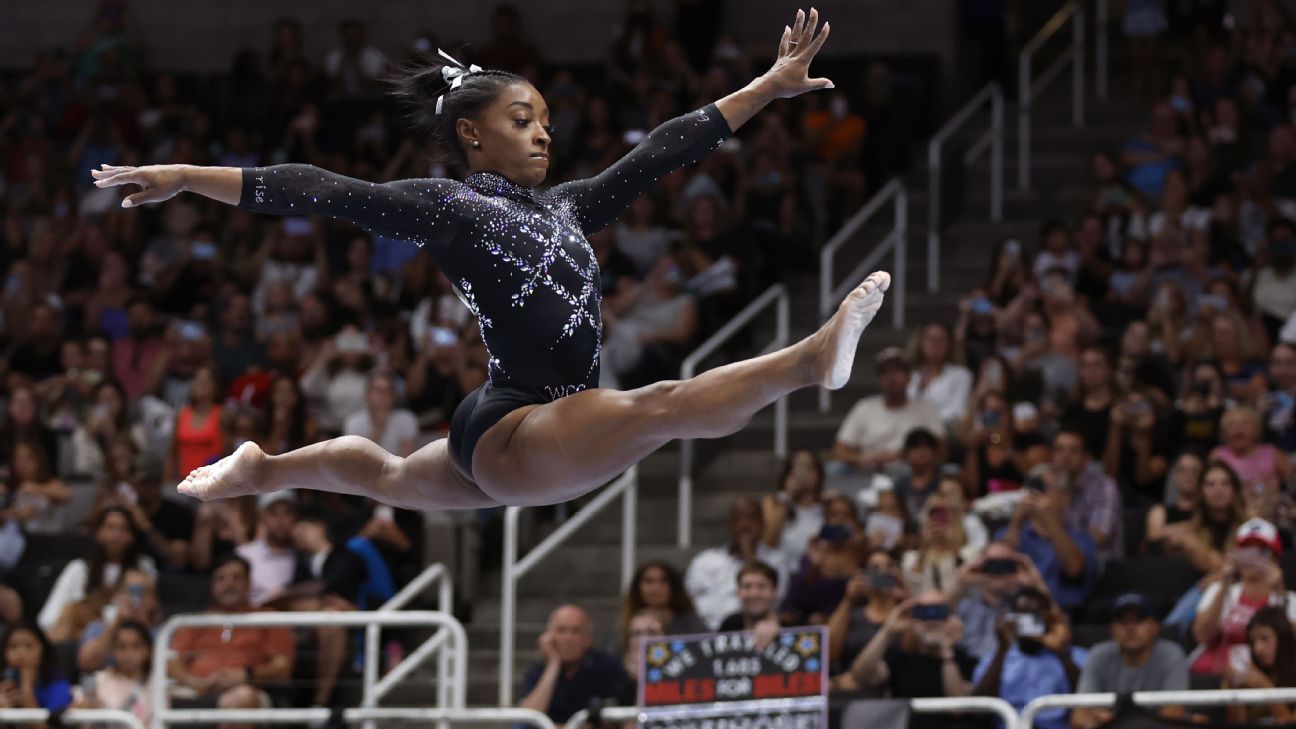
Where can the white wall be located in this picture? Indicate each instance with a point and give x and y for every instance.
(202, 35)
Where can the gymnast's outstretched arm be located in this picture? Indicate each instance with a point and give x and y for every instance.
(417, 210)
(685, 139)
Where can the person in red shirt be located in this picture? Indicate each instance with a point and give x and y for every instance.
(227, 667)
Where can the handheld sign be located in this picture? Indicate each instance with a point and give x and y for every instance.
(721, 680)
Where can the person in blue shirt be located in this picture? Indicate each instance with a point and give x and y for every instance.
(1066, 558)
(1033, 658)
(29, 679)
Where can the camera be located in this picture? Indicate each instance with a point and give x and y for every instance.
(999, 567)
(1029, 625)
(939, 611)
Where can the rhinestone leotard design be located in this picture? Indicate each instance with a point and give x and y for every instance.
(518, 257)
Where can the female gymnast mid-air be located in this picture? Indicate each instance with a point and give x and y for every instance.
(540, 431)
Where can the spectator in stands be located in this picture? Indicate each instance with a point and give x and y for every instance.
(1262, 468)
(871, 595)
(991, 462)
(86, 584)
(199, 434)
(1135, 659)
(1251, 579)
(229, 667)
(976, 333)
(38, 498)
(109, 419)
(139, 357)
(872, 435)
(1092, 501)
(272, 556)
(125, 684)
(22, 424)
(1151, 156)
(1268, 662)
(354, 66)
(1065, 556)
(646, 623)
(983, 591)
(135, 600)
(32, 680)
(940, 551)
(571, 673)
(712, 576)
(758, 594)
(939, 380)
(658, 586)
(338, 377)
(36, 355)
(1092, 410)
(1279, 404)
(649, 325)
(325, 577)
(1194, 423)
(1038, 357)
(976, 536)
(916, 475)
(816, 589)
(291, 424)
(1057, 251)
(794, 514)
(1272, 286)
(1204, 534)
(167, 525)
(1181, 497)
(916, 654)
(219, 528)
(395, 429)
(235, 348)
(1033, 657)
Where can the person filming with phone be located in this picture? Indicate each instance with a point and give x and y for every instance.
(984, 591)
(870, 597)
(916, 655)
(1033, 657)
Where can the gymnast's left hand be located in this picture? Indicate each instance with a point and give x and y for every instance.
(790, 74)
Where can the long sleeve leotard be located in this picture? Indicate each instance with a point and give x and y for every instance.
(518, 257)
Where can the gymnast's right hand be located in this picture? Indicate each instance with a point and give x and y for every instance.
(160, 182)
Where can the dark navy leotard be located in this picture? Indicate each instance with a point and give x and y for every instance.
(518, 257)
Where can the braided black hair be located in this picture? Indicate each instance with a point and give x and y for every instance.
(418, 83)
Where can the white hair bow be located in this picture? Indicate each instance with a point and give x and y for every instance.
(453, 74)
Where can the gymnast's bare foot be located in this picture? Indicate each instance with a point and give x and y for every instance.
(233, 475)
(835, 343)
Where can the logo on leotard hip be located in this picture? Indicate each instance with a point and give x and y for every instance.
(560, 391)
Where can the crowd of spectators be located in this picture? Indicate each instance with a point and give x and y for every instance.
(140, 344)
(1084, 484)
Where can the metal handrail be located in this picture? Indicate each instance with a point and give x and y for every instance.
(1155, 698)
(437, 574)
(72, 716)
(319, 715)
(421, 618)
(969, 704)
(777, 295)
(1027, 89)
(627, 485)
(895, 241)
(993, 138)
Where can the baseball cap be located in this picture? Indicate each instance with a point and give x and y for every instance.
(1259, 533)
(1132, 602)
(265, 501)
(891, 357)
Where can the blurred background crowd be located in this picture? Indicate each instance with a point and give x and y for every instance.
(1083, 483)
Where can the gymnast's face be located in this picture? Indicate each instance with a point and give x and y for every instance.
(510, 136)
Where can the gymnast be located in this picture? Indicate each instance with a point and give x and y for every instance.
(540, 430)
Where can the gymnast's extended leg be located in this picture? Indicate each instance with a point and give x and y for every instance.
(543, 454)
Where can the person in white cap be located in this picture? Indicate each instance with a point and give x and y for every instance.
(1251, 580)
(873, 433)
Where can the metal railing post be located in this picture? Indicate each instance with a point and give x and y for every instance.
(933, 213)
(629, 521)
(781, 407)
(1023, 122)
(1078, 68)
(445, 603)
(900, 284)
(996, 154)
(1100, 49)
(777, 295)
(508, 605)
